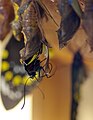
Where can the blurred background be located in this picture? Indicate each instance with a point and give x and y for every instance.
(57, 90)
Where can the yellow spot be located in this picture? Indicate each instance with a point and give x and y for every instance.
(25, 39)
(14, 33)
(45, 51)
(5, 54)
(5, 66)
(26, 80)
(16, 7)
(33, 58)
(21, 61)
(51, 53)
(8, 76)
(17, 80)
(37, 75)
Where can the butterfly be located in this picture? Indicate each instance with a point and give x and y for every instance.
(20, 79)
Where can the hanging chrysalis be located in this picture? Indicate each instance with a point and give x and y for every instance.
(70, 20)
(78, 77)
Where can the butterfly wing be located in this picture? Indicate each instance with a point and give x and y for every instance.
(14, 76)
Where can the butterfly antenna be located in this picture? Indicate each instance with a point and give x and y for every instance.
(40, 89)
(25, 92)
(43, 95)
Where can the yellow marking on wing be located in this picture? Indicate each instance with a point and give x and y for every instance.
(17, 80)
(16, 7)
(5, 54)
(25, 39)
(28, 81)
(25, 79)
(5, 66)
(8, 75)
(33, 58)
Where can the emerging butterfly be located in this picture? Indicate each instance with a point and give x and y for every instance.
(27, 26)
(14, 77)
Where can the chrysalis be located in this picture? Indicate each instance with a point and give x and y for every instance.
(70, 22)
(78, 77)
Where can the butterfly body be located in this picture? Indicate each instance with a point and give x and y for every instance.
(33, 67)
